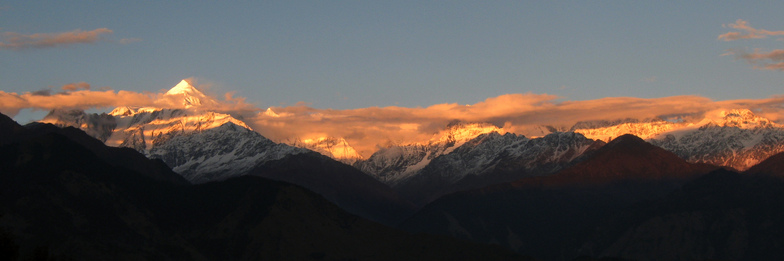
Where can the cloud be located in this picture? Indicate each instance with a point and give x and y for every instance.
(17, 41)
(773, 60)
(367, 129)
(44, 92)
(79, 96)
(76, 86)
(11, 103)
(748, 32)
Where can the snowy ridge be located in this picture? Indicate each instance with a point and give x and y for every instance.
(475, 150)
(146, 127)
(395, 163)
(744, 119)
(219, 153)
(99, 126)
(734, 138)
(335, 148)
(644, 130)
(510, 152)
(198, 144)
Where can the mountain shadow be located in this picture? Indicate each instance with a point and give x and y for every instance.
(772, 166)
(552, 217)
(349, 188)
(720, 216)
(492, 159)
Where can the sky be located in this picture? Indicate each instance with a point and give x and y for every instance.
(346, 57)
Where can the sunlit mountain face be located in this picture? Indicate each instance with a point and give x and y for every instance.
(416, 154)
(549, 179)
(394, 143)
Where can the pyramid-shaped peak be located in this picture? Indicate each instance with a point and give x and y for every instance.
(271, 113)
(184, 87)
(191, 96)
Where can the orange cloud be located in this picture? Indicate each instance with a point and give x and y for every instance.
(17, 41)
(11, 103)
(773, 60)
(748, 32)
(367, 129)
(76, 86)
(79, 96)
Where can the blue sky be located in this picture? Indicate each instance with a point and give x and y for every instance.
(356, 54)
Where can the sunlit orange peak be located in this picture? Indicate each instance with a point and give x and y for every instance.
(462, 132)
(271, 113)
(123, 111)
(184, 87)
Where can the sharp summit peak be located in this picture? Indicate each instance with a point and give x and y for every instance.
(184, 87)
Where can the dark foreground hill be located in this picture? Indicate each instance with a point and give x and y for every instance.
(62, 201)
(553, 217)
(720, 216)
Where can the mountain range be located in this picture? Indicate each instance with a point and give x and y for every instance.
(201, 145)
(597, 189)
(630, 200)
(204, 146)
(67, 196)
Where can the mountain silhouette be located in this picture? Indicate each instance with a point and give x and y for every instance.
(551, 217)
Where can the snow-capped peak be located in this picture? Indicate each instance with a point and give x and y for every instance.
(336, 148)
(741, 118)
(609, 130)
(271, 113)
(191, 96)
(64, 117)
(184, 87)
(460, 132)
(122, 111)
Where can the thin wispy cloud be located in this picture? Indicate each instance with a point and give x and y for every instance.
(76, 86)
(18, 41)
(746, 32)
(773, 60)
